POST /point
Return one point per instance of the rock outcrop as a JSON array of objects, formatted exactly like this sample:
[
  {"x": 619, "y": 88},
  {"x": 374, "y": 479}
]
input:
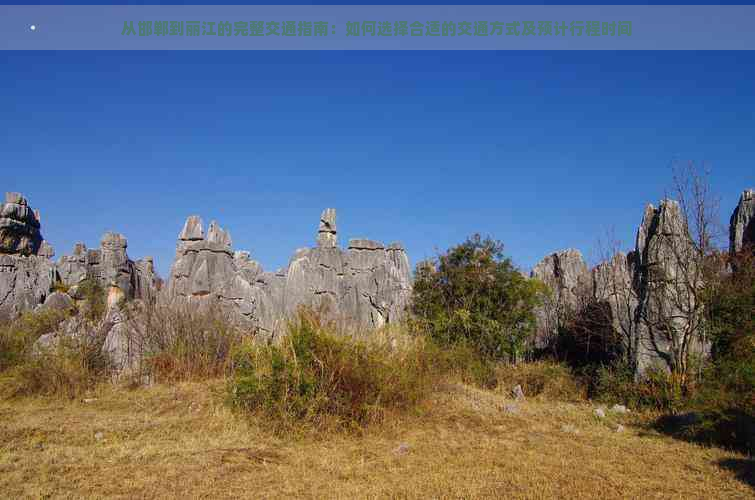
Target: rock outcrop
[
  {"x": 613, "y": 283},
  {"x": 19, "y": 227},
  {"x": 742, "y": 222},
  {"x": 365, "y": 286},
  {"x": 568, "y": 277},
  {"x": 26, "y": 273},
  {"x": 109, "y": 265},
  {"x": 652, "y": 293},
  {"x": 668, "y": 280}
]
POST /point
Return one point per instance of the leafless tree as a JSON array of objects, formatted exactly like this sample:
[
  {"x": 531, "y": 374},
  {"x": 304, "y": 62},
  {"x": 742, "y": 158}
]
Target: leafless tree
[{"x": 676, "y": 261}]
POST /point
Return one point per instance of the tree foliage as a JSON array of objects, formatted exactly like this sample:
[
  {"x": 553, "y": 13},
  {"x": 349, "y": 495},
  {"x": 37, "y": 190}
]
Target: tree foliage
[{"x": 474, "y": 295}]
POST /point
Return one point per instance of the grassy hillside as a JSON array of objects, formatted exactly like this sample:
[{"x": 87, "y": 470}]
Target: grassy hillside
[{"x": 183, "y": 441}]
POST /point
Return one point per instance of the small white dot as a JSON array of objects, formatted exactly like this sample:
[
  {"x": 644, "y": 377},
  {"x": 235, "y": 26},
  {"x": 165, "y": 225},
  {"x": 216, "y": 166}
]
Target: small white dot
[{"x": 33, "y": 27}]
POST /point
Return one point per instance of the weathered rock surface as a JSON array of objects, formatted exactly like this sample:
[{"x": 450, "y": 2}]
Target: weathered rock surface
[
  {"x": 742, "y": 222},
  {"x": 651, "y": 292},
  {"x": 613, "y": 282},
  {"x": 112, "y": 336},
  {"x": 110, "y": 264},
  {"x": 19, "y": 227},
  {"x": 326, "y": 234},
  {"x": 567, "y": 276},
  {"x": 25, "y": 282},
  {"x": 26, "y": 273},
  {"x": 667, "y": 281},
  {"x": 58, "y": 301},
  {"x": 367, "y": 285}
]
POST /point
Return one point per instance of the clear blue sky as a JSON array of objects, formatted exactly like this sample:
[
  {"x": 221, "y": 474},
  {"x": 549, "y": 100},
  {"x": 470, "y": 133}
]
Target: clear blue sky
[{"x": 542, "y": 150}]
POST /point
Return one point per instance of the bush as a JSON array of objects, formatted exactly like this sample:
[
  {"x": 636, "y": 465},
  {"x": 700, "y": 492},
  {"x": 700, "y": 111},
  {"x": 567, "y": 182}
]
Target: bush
[
  {"x": 94, "y": 299},
  {"x": 182, "y": 343},
  {"x": 324, "y": 380},
  {"x": 70, "y": 368},
  {"x": 473, "y": 296},
  {"x": 18, "y": 336},
  {"x": 657, "y": 390},
  {"x": 725, "y": 399},
  {"x": 543, "y": 378}
]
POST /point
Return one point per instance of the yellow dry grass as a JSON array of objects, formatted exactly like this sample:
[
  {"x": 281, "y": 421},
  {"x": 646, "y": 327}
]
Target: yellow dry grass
[{"x": 183, "y": 442}]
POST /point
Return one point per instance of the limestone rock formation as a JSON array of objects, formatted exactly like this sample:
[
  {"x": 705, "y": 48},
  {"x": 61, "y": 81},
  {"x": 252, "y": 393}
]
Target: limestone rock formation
[
  {"x": 567, "y": 276},
  {"x": 326, "y": 234},
  {"x": 25, "y": 282},
  {"x": 742, "y": 222},
  {"x": 365, "y": 286},
  {"x": 613, "y": 282},
  {"x": 668, "y": 280},
  {"x": 26, "y": 273},
  {"x": 19, "y": 227},
  {"x": 565, "y": 272},
  {"x": 110, "y": 264},
  {"x": 58, "y": 301},
  {"x": 113, "y": 336}
]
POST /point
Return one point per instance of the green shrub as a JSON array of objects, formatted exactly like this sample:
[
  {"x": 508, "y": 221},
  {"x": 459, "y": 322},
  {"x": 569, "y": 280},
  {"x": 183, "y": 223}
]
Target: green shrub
[
  {"x": 18, "y": 336},
  {"x": 69, "y": 368},
  {"x": 94, "y": 299},
  {"x": 724, "y": 399},
  {"x": 318, "y": 378},
  {"x": 472, "y": 295},
  {"x": 658, "y": 389},
  {"x": 464, "y": 363}
]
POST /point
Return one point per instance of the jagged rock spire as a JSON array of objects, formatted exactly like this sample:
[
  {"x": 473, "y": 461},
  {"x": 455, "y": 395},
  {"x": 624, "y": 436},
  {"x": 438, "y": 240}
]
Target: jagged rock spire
[
  {"x": 193, "y": 229},
  {"x": 216, "y": 234},
  {"x": 742, "y": 223},
  {"x": 327, "y": 233}
]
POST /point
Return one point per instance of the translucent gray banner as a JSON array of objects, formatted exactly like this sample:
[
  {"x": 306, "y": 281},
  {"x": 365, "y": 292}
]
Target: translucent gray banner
[{"x": 441, "y": 27}]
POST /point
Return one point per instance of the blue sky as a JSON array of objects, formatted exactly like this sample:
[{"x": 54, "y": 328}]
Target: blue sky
[{"x": 542, "y": 150}]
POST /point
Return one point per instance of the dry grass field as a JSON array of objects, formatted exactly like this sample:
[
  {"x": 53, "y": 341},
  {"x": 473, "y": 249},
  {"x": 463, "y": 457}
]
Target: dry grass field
[{"x": 183, "y": 442}]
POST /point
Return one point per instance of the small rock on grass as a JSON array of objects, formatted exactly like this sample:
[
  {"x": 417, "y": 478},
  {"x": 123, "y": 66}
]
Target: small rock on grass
[
  {"x": 99, "y": 436},
  {"x": 402, "y": 449},
  {"x": 518, "y": 393},
  {"x": 619, "y": 409},
  {"x": 600, "y": 413},
  {"x": 512, "y": 408}
]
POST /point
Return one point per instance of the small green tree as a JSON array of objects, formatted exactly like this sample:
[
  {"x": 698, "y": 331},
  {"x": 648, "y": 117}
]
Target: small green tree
[{"x": 474, "y": 295}]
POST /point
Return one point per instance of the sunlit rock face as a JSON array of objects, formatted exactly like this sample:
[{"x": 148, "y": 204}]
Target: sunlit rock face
[
  {"x": 367, "y": 285},
  {"x": 19, "y": 227},
  {"x": 651, "y": 293},
  {"x": 26, "y": 272},
  {"x": 566, "y": 274},
  {"x": 742, "y": 222},
  {"x": 110, "y": 265}
]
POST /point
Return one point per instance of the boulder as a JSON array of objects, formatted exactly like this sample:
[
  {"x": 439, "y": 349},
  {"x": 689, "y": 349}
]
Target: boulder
[{"x": 58, "y": 301}]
